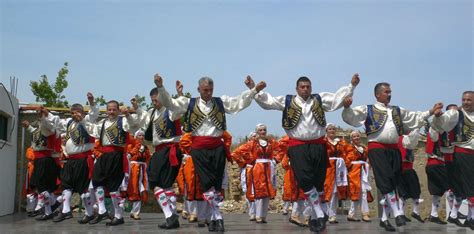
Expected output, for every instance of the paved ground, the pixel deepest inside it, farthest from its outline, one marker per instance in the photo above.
(234, 223)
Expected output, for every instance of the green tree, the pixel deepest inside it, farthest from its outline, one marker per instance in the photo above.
(51, 94)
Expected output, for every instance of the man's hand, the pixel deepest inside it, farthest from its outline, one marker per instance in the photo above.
(25, 123)
(124, 110)
(42, 112)
(90, 99)
(260, 86)
(347, 102)
(249, 82)
(437, 109)
(179, 88)
(158, 80)
(355, 79)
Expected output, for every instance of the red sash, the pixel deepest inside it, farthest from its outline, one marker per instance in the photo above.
(172, 154)
(295, 142)
(378, 145)
(42, 154)
(90, 160)
(463, 150)
(207, 142)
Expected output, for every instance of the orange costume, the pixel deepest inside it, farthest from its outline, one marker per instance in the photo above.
(138, 180)
(258, 154)
(355, 164)
(337, 150)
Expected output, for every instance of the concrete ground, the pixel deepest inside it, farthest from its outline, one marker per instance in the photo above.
(234, 223)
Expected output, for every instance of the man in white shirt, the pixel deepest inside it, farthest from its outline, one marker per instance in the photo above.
(205, 118)
(384, 124)
(304, 122)
(462, 123)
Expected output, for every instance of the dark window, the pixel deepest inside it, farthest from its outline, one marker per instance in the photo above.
(3, 127)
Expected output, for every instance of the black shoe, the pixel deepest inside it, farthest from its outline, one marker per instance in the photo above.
(44, 217)
(212, 226)
(220, 225)
(456, 221)
(55, 208)
(172, 222)
(417, 217)
(386, 224)
(400, 221)
(115, 222)
(85, 219)
(436, 220)
(99, 217)
(322, 224)
(461, 216)
(407, 220)
(36, 213)
(314, 225)
(62, 216)
(326, 218)
(470, 224)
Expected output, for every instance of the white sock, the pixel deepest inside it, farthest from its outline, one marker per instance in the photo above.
(315, 203)
(450, 197)
(40, 203)
(163, 202)
(171, 196)
(259, 208)
(456, 205)
(87, 203)
(333, 205)
(116, 199)
(67, 193)
(136, 207)
(354, 204)
(286, 204)
(294, 209)
(201, 210)
(31, 201)
(435, 205)
(401, 206)
(364, 205)
(100, 195)
(47, 204)
(252, 209)
(392, 200)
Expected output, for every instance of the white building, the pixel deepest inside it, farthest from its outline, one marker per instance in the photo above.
(8, 151)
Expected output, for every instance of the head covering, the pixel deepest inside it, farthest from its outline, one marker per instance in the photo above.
(260, 125)
(251, 134)
(139, 132)
(353, 132)
(329, 125)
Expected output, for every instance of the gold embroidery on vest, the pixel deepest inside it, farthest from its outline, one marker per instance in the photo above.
(467, 130)
(113, 132)
(73, 133)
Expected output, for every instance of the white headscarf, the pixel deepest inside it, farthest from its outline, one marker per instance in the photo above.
(329, 125)
(139, 132)
(260, 125)
(251, 134)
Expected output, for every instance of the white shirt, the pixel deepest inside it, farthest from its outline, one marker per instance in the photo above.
(449, 120)
(46, 129)
(144, 118)
(108, 122)
(87, 123)
(435, 137)
(232, 105)
(388, 133)
(307, 127)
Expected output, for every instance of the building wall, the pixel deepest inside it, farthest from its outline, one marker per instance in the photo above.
(8, 154)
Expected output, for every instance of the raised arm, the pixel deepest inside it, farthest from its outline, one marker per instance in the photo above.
(233, 105)
(178, 105)
(446, 122)
(416, 119)
(353, 116)
(334, 101)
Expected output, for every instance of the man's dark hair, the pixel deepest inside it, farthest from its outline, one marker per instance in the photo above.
(303, 79)
(468, 92)
(154, 91)
(378, 87)
(450, 105)
(77, 107)
(113, 101)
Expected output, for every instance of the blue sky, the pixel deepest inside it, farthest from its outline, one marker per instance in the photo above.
(423, 48)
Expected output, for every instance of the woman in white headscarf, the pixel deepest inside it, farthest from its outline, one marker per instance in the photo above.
(359, 186)
(258, 154)
(137, 190)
